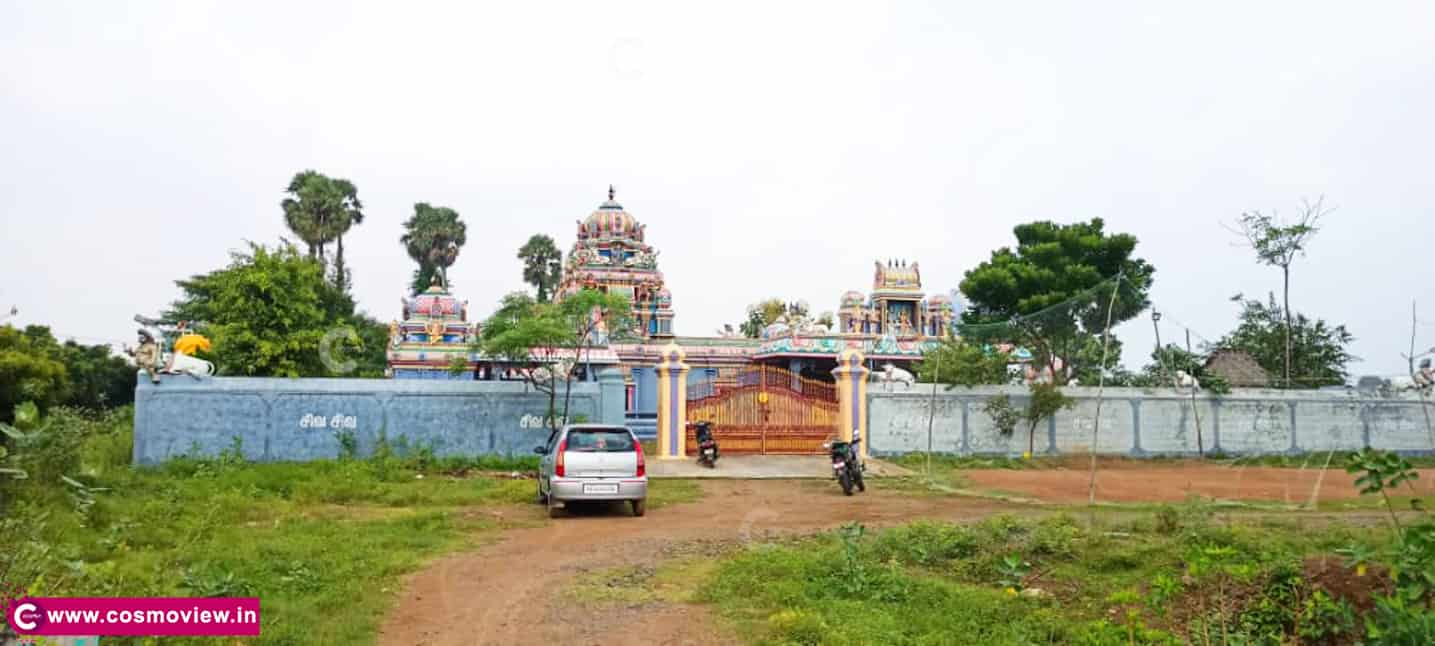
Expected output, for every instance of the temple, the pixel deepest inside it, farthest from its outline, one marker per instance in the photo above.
(894, 323)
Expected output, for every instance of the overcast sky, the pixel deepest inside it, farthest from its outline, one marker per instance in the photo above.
(773, 149)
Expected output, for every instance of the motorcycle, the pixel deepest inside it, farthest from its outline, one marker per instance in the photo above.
(707, 446)
(847, 465)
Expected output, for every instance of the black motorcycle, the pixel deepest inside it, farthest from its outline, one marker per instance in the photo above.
(847, 465)
(707, 446)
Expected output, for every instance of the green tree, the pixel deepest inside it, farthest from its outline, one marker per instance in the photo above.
(1317, 350)
(99, 379)
(432, 238)
(30, 370)
(1277, 242)
(542, 265)
(272, 313)
(320, 210)
(766, 312)
(957, 362)
(1052, 292)
(1043, 400)
(551, 340)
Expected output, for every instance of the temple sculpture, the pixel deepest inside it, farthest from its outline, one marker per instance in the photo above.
(892, 325)
(611, 256)
(432, 336)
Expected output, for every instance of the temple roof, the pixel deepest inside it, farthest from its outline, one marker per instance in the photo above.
(610, 221)
(896, 275)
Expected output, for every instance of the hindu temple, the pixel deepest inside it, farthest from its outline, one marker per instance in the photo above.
(893, 323)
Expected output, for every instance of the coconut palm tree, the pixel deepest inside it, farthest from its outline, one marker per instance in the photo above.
(432, 238)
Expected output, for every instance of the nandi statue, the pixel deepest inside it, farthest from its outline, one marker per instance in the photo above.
(1185, 380)
(890, 373)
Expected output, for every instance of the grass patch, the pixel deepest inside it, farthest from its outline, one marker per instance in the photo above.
(323, 544)
(1165, 578)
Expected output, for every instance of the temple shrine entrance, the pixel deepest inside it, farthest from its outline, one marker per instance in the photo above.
(764, 410)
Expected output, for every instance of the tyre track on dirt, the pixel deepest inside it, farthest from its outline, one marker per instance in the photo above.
(511, 592)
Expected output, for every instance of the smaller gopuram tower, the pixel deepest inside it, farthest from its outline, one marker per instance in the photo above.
(896, 306)
(611, 256)
(433, 333)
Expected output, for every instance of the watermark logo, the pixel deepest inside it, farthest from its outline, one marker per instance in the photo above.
(333, 356)
(25, 617)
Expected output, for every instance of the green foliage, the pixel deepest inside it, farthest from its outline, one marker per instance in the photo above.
(1053, 291)
(1380, 472)
(1043, 401)
(432, 238)
(957, 362)
(1004, 416)
(270, 312)
(542, 265)
(321, 209)
(1319, 351)
(527, 332)
(30, 370)
(1013, 571)
(766, 312)
(1161, 372)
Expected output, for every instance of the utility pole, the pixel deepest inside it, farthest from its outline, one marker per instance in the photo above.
(932, 414)
(1200, 445)
(1160, 365)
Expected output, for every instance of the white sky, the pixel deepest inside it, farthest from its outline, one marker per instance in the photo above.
(773, 149)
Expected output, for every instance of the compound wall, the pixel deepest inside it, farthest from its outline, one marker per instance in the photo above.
(1140, 422)
(305, 419)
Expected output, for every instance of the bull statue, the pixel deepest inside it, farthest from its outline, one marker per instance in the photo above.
(1186, 380)
(890, 373)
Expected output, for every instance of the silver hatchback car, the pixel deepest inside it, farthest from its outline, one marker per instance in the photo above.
(583, 462)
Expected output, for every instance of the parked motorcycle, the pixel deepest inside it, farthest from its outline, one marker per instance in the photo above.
(847, 465)
(707, 446)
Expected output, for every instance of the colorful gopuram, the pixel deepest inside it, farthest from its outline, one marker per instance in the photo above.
(432, 335)
(895, 323)
(611, 256)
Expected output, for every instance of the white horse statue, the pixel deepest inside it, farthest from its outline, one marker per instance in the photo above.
(890, 373)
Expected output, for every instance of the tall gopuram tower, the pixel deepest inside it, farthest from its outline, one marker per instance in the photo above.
(611, 256)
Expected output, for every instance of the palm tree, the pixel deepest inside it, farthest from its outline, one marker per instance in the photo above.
(542, 265)
(432, 238)
(321, 209)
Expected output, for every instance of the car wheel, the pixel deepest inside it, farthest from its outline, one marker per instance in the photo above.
(640, 507)
(554, 511)
(542, 497)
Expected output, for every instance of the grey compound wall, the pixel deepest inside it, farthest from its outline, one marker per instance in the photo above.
(1141, 422)
(303, 419)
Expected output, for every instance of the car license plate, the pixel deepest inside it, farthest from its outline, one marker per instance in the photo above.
(600, 488)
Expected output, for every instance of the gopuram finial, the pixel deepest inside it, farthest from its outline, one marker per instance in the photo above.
(610, 192)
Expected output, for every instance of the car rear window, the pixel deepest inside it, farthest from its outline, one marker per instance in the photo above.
(600, 440)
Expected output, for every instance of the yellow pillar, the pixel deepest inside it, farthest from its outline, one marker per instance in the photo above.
(672, 403)
(851, 378)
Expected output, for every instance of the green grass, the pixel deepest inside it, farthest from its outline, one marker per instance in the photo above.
(935, 582)
(323, 544)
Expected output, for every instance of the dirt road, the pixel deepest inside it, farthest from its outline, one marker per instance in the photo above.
(509, 593)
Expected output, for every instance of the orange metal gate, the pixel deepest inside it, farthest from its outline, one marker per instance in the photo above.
(765, 410)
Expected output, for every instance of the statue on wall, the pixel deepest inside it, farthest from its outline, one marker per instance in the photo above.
(146, 356)
(395, 335)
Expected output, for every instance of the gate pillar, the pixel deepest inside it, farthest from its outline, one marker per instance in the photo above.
(851, 378)
(672, 403)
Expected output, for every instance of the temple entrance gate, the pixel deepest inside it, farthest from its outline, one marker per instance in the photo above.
(764, 410)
